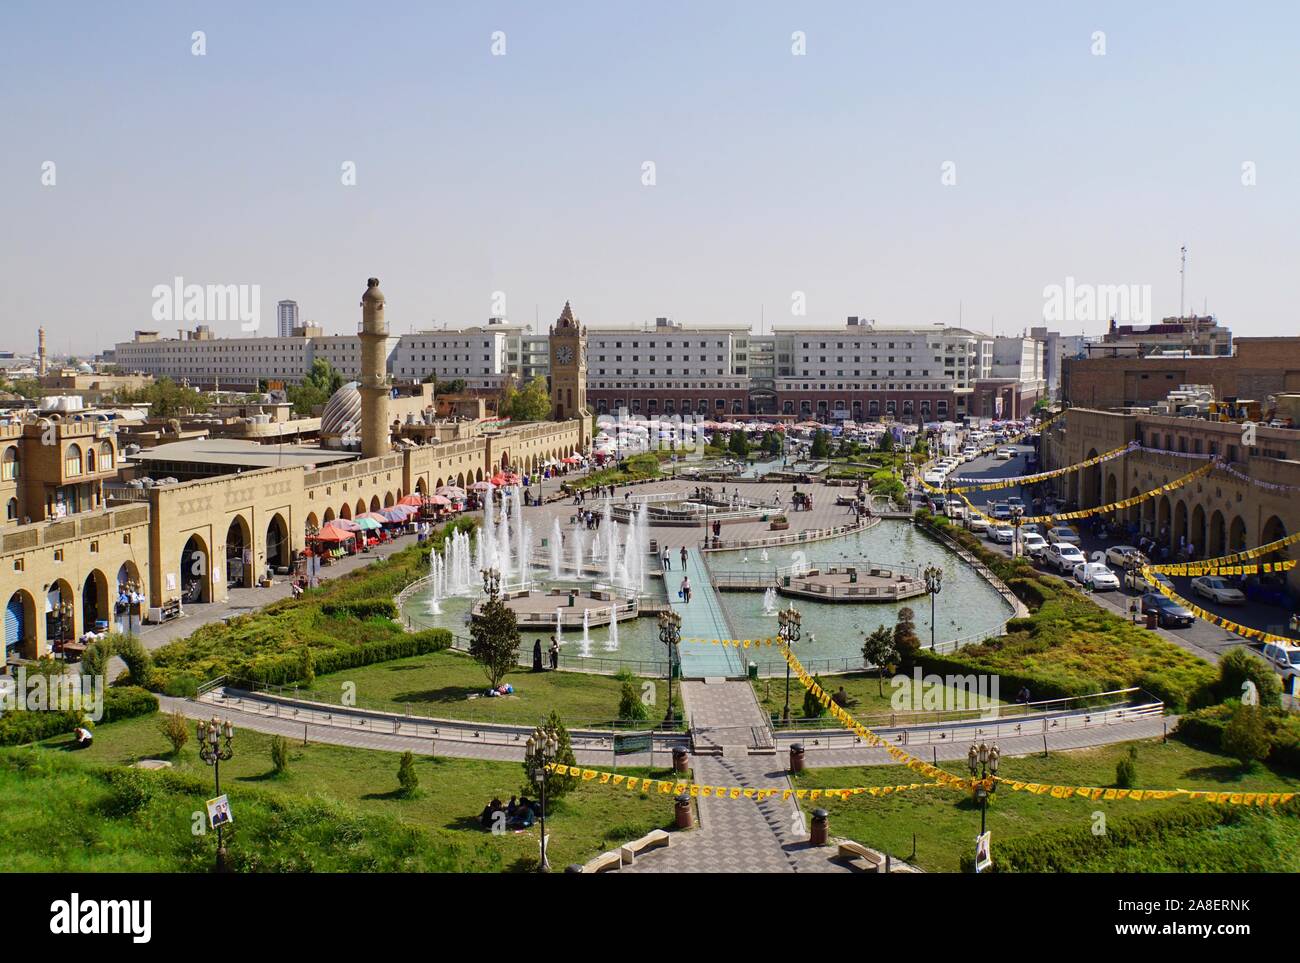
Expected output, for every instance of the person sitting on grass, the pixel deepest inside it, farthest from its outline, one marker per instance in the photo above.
(843, 699)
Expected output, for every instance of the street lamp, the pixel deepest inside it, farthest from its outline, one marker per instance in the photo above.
(789, 629)
(542, 749)
(214, 749)
(491, 581)
(933, 585)
(982, 760)
(1017, 513)
(670, 634)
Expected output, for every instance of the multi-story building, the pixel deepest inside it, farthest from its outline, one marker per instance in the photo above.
(203, 360)
(479, 356)
(669, 369)
(286, 318)
(1194, 336)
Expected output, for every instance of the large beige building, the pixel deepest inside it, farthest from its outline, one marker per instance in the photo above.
(239, 509)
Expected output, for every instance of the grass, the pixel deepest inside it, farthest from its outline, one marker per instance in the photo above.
(441, 684)
(351, 793)
(946, 822)
(865, 688)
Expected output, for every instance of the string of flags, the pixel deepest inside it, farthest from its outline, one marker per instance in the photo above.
(1106, 509)
(673, 788)
(1213, 568)
(1245, 631)
(1244, 554)
(972, 485)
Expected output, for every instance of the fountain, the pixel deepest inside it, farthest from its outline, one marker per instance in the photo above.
(769, 602)
(764, 555)
(557, 548)
(584, 649)
(611, 644)
(577, 554)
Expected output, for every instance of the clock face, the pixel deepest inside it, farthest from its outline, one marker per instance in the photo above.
(564, 354)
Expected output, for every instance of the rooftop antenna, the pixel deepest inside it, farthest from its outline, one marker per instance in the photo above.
(1182, 278)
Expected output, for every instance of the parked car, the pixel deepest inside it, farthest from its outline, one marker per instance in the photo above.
(1063, 556)
(1033, 527)
(1096, 576)
(1015, 501)
(977, 524)
(956, 508)
(1169, 614)
(933, 477)
(1062, 533)
(1005, 454)
(1032, 544)
(1001, 511)
(1218, 589)
(1284, 658)
(1121, 555)
(1002, 534)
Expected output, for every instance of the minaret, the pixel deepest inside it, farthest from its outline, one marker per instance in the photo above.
(41, 366)
(374, 373)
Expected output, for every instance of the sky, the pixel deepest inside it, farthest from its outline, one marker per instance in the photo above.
(910, 163)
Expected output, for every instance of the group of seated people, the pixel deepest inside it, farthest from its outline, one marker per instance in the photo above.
(519, 814)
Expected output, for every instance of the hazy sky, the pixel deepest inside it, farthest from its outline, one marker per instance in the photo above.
(775, 173)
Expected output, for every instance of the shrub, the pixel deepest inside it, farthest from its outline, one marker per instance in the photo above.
(176, 728)
(131, 791)
(556, 785)
(280, 755)
(812, 708)
(1244, 737)
(306, 666)
(407, 781)
(1204, 727)
(127, 702)
(360, 609)
(1240, 666)
(138, 662)
(1126, 770)
(630, 706)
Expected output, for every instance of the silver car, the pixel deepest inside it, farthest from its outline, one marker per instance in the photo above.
(1218, 589)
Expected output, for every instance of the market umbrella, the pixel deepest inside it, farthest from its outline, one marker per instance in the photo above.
(375, 516)
(344, 524)
(440, 500)
(451, 491)
(368, 524)
(480, 486)
(415, 501)
(328, 534)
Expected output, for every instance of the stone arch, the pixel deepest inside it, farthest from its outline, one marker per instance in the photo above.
(1090, 483)
(128, 579)
(328, 516)
(60, 612)
(438, 484)
(1178, 535)
(239, 554)
(278, 554)
(1216, 540)
(1196, 533)
(313, 522)
(1134, 512)
(11, 464)
(1237, 535)
(460, 480)
(196, 579)
(389, 500)
(1164, 513)
(72, 460)
(95, 604)
(20, 638)
(345, 511)
(1112, 490)
(478, 474)
(1273, 531)
(374, 503)
(360, 507)
(90, 459)
(419, 486)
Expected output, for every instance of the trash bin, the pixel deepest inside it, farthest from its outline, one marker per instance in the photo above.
(796, 757)
(679, 759)
(1152, 620)
(821, 826)
(753, 671)
(682, 811)
(785, 581)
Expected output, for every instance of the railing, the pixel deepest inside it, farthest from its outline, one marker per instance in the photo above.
(789, 538)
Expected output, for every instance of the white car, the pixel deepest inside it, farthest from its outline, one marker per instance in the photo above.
(1062, 533)
(956, 509)
(933, 477)
(1063, 556)
(978, 524)
(1002, 534)
(1097, 576)
(1121, 555)
(1005, 454)
(1284, 658)
(1032, 544)
(1218, 589)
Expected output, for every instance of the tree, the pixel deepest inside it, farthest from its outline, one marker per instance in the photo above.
(306, 666)
(1126, 769)
(506, 403)
(630, 706)
(138, 661)
(906, 642)
(494, 639)
(280, 756)
(1245, 737)
(821, 444)
(1237, 668)
(887, 441)
(533, 403)
(878, 650)
(316, 389)
(94, 661)
(772, 443)
(165, 398)
(408, 782)
(177, 730)
(556, 786)
(738, 445)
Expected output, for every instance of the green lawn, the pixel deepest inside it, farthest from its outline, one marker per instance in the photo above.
(450, 685)
(866, 688)
(361, 784)
(945, 822)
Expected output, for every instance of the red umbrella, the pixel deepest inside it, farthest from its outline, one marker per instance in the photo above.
(413, 500)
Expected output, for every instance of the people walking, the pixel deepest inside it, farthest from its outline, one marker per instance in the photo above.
(683, 553)
(686, 590)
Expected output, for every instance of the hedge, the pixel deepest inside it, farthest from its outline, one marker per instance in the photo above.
(286, 669)
(125, 702)
(1204, 728)
(360, 609)
(1061, 850)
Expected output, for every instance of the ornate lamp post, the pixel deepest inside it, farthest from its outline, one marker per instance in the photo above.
(982, 760)
(491, 581)
(789, 628)
(1017, 513)
(670, 634)
(214, 749)
(542, 749)
(933, 585)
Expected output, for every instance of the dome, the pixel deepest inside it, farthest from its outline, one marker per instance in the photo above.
(342, 414)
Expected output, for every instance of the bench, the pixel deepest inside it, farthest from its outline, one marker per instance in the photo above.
(848, 849)
(651, 840)
(604, 863)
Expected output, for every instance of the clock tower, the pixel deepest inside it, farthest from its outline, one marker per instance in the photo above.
(569, 370)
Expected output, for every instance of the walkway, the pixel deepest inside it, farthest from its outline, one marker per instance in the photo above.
(703, 618)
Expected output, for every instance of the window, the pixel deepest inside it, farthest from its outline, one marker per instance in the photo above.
(72, 460)
(11, 510)
(9, 464)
